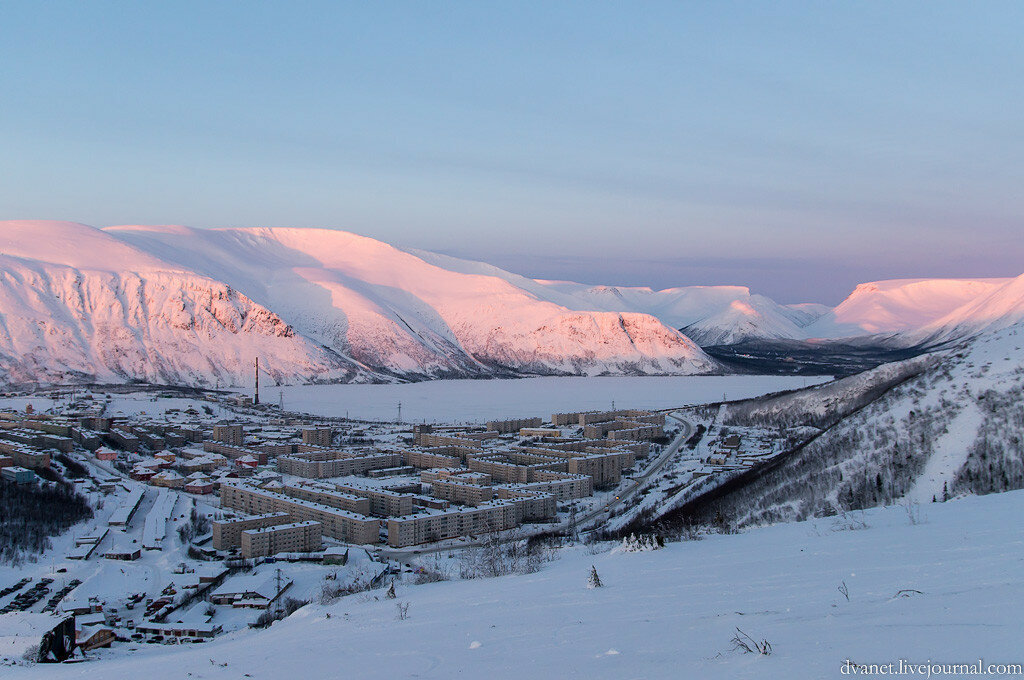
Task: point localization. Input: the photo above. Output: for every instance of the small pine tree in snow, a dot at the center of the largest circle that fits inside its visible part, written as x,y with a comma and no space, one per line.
391,592
594,581
641,543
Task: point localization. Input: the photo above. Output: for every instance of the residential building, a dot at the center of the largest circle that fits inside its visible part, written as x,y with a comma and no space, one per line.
295,537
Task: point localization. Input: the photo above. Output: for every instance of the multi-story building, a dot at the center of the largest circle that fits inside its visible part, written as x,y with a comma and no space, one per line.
383,502
234,452
331,497
229,434
295,537
457,491
513,425
340,524
439,525
314,463
227,533
318,436
24,456
430,459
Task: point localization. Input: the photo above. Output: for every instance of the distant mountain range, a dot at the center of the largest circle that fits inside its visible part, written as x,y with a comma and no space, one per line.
168,304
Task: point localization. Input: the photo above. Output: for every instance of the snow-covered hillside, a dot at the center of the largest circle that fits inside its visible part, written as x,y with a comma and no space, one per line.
77,303
898,306
1001,307
955,427
172,304
710,315
902,312
944,590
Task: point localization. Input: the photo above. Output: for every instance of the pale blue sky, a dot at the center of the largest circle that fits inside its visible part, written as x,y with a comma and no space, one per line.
794,147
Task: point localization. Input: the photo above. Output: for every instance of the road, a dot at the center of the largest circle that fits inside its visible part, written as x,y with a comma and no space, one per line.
406,555
685,433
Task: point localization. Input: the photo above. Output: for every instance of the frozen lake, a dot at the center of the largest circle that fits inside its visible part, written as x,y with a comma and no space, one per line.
477,401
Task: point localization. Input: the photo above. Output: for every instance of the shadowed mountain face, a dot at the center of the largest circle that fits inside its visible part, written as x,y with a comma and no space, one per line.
177,305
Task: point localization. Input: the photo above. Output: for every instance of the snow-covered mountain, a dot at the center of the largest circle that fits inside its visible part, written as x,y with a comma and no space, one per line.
1000,308
709,315
900,312
173,304
898,306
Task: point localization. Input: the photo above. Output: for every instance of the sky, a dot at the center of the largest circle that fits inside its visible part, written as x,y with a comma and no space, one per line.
797,148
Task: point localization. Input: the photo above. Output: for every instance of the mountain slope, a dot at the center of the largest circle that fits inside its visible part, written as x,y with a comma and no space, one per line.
897,306
709,315
172,304
953,428
68,311
1001,308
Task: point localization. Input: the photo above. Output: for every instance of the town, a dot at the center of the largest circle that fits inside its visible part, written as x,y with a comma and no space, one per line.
257,510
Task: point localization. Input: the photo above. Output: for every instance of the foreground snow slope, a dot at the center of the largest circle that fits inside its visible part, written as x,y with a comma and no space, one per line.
664,614
172,304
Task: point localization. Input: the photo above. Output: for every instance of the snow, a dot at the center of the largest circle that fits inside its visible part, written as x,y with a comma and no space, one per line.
942,590
174,305
710,315
155,528
1001,308
482,400
948,456
898,305
186,306
713,315
20,632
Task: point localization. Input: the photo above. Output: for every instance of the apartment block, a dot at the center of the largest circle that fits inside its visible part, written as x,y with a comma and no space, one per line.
318,436
439,525
539,432
295,537
473,440
530,505
335,499
318,464
234,452
383,502
25,457
430,459
562,485
461,492
227,533
339,524
229,434
513,425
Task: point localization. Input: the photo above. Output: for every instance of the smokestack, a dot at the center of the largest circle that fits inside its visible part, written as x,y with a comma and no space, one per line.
257,399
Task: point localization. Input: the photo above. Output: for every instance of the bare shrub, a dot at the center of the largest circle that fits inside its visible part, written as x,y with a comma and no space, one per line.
748,645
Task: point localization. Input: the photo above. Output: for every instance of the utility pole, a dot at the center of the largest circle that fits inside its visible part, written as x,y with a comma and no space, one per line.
280,610
399,412
280,400
257,399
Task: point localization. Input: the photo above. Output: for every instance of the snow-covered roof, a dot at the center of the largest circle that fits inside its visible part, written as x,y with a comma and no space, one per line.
20,631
